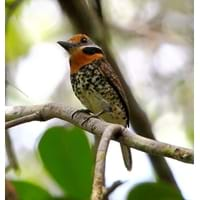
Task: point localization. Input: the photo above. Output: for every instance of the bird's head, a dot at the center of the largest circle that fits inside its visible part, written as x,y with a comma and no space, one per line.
82,51
80,42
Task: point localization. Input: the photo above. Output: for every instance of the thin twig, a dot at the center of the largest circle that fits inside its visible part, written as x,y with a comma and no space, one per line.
98,190
97,127
10,153
109,190
24,119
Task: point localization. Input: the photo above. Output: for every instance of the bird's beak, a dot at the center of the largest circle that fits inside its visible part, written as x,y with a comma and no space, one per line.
66,45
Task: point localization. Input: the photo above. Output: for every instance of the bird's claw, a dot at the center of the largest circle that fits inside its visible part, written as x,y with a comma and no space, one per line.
81,110
93,116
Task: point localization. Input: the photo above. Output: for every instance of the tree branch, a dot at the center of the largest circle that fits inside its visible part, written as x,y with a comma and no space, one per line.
97,127
24,119
98,190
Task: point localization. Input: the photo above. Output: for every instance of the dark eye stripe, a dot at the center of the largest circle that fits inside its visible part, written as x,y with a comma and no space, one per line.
92,50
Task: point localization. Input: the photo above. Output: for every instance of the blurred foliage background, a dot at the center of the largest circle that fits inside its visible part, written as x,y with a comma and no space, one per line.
151,40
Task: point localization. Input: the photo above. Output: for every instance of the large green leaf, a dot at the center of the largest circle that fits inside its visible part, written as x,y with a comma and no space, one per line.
154,191
67,156
29,191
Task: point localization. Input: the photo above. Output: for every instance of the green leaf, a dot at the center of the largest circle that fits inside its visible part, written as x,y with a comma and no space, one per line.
67,156
29,191
154,191
17,40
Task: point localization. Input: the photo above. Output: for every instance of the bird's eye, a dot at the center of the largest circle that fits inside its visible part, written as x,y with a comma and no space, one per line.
83,40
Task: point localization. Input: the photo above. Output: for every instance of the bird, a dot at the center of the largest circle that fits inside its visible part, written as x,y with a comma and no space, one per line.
96,84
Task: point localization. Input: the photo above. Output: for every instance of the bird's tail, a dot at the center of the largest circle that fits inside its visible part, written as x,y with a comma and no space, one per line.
126,154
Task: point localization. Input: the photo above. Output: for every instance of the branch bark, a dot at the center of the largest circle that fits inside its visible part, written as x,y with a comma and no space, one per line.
99,191
97,127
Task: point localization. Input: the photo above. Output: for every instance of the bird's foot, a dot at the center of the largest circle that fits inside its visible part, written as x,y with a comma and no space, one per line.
87,111
93,116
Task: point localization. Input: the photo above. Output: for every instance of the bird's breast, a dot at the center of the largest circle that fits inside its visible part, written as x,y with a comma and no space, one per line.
95,92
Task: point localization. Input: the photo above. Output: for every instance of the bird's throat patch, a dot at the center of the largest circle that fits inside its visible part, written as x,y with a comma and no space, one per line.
80,58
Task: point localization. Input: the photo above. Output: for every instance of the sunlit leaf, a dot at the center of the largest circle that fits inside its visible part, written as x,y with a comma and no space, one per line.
66,155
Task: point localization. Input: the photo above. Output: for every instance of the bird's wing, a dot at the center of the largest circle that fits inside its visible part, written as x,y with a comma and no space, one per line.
108,72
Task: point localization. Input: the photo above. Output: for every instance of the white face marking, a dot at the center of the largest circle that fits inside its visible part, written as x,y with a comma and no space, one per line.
90,45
